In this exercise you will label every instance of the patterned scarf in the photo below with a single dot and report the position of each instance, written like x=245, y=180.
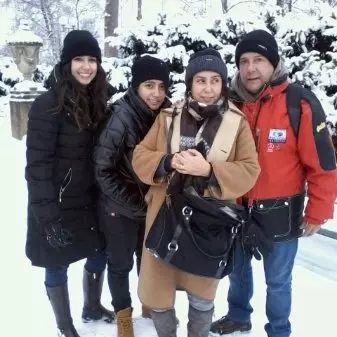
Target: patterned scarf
x=199, y=125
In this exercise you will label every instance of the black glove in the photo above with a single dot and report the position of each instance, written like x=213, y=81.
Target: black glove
x=57, y=236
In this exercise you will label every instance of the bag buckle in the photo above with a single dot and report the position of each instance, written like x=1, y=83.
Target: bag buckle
x=173, y=246
x=187, y=213
x=222, y=264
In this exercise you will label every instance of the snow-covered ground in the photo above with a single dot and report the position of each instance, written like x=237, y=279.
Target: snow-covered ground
x=25, y=310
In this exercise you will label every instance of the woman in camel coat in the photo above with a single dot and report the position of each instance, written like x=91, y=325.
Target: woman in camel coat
x=231, y=169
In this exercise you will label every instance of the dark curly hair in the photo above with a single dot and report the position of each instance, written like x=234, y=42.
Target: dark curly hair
x=85, y=104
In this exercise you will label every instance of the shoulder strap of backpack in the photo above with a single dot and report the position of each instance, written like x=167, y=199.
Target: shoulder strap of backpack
x=294, y=94
x=293, y=97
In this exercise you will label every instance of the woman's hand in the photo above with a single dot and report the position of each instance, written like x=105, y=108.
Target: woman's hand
x=191, y=162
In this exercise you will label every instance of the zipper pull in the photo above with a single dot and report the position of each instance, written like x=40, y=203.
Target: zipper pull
x=250, y=209
x=60, y=195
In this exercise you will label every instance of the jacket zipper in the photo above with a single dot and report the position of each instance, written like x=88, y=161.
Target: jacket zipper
x=66, y=181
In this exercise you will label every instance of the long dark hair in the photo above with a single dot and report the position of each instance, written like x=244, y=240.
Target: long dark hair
x=85, y=104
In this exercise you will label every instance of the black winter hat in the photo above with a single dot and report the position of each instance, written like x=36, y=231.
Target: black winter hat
x=208, y=59
x=261, y=42
x=79, y=43
x=149, y=68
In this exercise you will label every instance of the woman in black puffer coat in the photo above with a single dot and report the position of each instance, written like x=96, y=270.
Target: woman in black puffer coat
x=62, y=221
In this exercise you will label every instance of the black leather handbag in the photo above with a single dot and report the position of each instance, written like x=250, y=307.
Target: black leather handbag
x=196, y=234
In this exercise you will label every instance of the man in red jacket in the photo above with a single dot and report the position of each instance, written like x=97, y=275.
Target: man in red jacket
x=290, y=164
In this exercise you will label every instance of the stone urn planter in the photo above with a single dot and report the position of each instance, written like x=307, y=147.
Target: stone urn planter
x=25, y=46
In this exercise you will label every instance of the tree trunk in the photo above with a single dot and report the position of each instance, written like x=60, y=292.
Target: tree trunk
x=110, y=24
x=290, y=5
x=51, y=31
x=224, y=4
x=139, y=9
x=280, y=3
x=77, y=14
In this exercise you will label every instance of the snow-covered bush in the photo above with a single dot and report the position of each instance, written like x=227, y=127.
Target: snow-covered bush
x=307, y=45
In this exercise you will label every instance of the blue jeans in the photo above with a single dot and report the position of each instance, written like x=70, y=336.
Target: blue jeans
x=278, y=274
x=58, y=276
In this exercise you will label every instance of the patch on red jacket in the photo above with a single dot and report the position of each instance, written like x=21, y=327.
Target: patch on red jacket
x=277, y=136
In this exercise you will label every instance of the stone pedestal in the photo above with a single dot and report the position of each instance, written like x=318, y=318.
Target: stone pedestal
x=21, y=98
x=25, y=46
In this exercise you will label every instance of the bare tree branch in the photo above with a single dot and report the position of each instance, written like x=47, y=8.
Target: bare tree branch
x=243, y=2
x=77, y=14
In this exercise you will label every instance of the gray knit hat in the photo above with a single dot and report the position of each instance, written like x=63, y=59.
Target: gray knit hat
x=206, y=60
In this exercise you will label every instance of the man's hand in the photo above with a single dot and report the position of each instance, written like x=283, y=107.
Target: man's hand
x=191, y=162
x=309, y=229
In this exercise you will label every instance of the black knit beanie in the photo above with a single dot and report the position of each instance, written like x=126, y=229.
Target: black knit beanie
x=206, y=60
x=80, y=43
x=149, y=68
x=261, y=42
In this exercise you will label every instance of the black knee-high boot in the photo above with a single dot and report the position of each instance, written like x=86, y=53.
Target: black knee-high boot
x=92, y=291
x=59, y=299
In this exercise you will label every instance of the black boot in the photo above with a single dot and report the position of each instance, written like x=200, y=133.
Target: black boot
x=165, y=323
x=199, y=322
x=225, y=326
x=59, y=299
x=92, y=291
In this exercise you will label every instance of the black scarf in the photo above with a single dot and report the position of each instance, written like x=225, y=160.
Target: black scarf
x=202, y=122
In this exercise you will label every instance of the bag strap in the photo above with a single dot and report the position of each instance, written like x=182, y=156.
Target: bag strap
x=173, y=245
x=170, y=131
x=293, y=98
x=226, y=135
x=187, y=213
x=294, y=94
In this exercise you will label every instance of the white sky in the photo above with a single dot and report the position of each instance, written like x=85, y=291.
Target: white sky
x=7, y=16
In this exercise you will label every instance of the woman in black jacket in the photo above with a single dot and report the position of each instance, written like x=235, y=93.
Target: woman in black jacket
x=122, y=204
x=62, y=221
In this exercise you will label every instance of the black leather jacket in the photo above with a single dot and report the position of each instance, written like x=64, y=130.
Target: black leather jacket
x=121, y=192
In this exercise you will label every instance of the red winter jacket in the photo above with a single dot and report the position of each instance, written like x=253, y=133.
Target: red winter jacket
x=287, y=162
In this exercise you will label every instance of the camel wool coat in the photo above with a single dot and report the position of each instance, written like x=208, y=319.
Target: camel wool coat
x=235, y=175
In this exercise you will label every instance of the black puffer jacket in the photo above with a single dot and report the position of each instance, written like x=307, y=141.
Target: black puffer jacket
x=60, y=182
x=121, y=192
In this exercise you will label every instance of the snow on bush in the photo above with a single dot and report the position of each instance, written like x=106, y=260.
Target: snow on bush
x=307, y=45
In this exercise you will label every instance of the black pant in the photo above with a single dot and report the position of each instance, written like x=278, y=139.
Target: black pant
x=124, y=237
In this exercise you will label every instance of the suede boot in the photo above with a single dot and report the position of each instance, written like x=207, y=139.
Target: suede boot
x=124, y=323
x=165, y=323
x=146, y=312
x=199, y=322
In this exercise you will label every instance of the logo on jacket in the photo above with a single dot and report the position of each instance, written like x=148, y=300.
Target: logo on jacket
x=277, y=136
